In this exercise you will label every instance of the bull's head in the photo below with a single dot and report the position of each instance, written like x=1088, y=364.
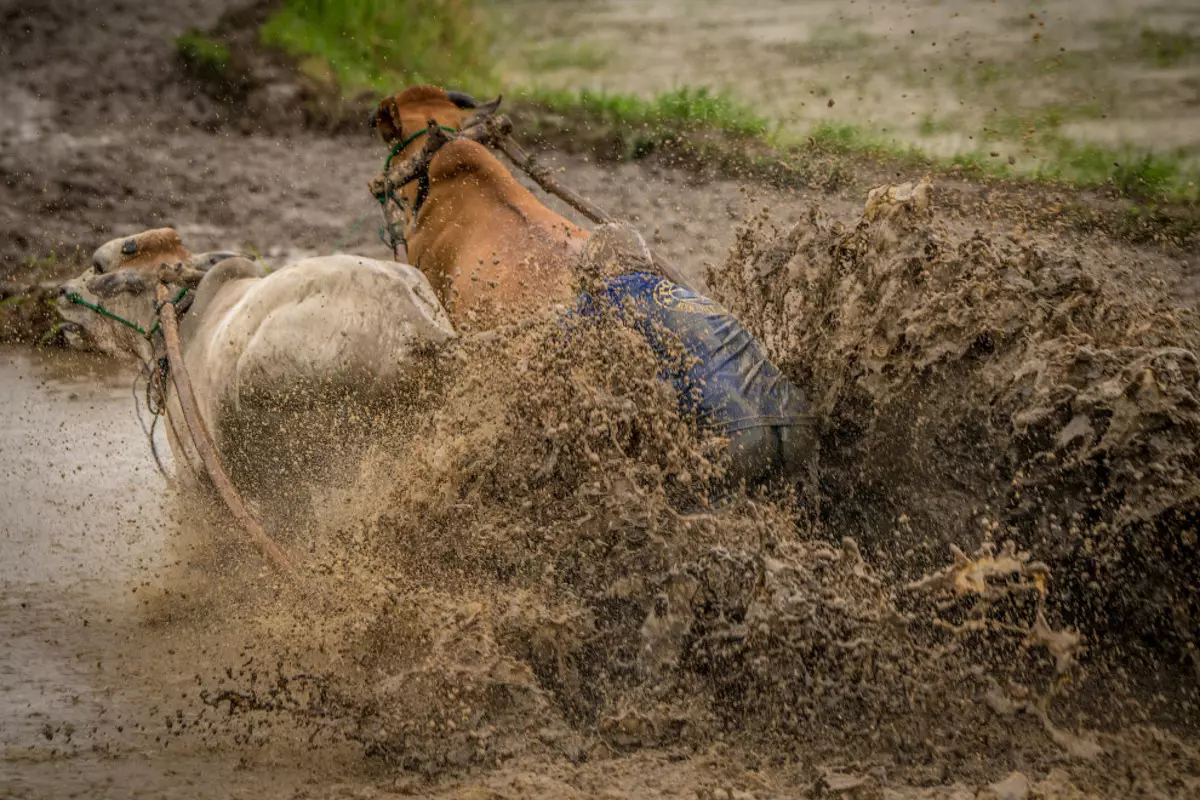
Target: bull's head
x=121, y=280
x=403, y=115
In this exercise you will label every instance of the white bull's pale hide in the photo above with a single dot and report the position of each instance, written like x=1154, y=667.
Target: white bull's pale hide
x=342, y=322
x=346, y=326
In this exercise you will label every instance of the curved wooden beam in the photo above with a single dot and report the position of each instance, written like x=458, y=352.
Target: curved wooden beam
x=205, y=446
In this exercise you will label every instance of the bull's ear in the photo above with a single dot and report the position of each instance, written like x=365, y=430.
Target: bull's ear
x=387, y=120
x=482, y=112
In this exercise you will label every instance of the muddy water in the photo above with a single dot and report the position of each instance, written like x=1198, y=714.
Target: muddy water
x=76, y=487
x=86, y=670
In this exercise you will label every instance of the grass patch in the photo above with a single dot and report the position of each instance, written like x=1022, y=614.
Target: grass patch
x=379, y=45
x=203, y=51
x=213, y=64
x=839, y=137
x=41, y=263
x=686, y=108
x=1166, y=48
x=1162, y=48
x=1140, y=174
x=640, y=126
x=846, y=139
x=1137, y=173
x=1028, y=128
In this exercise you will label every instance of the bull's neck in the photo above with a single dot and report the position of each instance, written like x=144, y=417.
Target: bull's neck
x=430, y=205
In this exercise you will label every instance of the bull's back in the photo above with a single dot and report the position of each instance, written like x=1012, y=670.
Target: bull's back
x=335, y=321
x=486, y=242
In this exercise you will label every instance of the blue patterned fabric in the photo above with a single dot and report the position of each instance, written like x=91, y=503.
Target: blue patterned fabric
x=727, y=383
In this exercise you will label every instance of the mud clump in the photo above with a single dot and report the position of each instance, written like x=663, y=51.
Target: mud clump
x=987, y=385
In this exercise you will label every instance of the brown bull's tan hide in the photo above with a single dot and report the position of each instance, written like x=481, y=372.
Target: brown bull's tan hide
x=490, y=249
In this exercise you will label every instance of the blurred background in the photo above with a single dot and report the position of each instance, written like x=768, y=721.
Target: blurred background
x=1068, y=89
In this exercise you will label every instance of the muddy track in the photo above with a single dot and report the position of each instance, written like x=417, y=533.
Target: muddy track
x=103, y=133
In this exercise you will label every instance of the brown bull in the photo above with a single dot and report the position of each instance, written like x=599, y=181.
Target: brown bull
x=490, y=249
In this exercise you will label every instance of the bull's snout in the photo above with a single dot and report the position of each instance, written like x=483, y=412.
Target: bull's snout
x=69, y=325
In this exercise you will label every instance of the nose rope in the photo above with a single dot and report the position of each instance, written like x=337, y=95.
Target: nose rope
x=409, y=140
x=76, y=299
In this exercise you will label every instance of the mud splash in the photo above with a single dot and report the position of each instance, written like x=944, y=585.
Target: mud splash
x=530, y=579
x=539, y=570
x=979, y=384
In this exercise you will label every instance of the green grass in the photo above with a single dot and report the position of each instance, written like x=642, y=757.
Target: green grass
x=34, y=263
x=650, y=121
x=213, y=64
x=686, y=108
x=381, y=45
x=1136, y=172
x=199, y=49
x=847, y=139
x=1167, y=48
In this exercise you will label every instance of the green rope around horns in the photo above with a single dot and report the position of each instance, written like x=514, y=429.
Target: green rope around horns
x=78, y=300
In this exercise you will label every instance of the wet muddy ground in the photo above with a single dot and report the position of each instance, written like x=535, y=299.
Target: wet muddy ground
x=85, y=526
x=122, y=603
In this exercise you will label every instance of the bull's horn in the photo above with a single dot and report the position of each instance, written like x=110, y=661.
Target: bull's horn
x=462, y=99
x=483, y=112
x=205, y=261
x=123, y=281
x=490, y=108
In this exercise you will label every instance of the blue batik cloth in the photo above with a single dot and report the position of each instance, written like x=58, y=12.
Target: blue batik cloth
x=728, y=383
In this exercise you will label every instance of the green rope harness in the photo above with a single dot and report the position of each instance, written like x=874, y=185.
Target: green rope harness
x=387, y=234
x=350, y=232
x=75, y=298
x=409, y=140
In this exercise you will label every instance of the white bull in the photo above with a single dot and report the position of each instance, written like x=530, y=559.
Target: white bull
x=342, y=329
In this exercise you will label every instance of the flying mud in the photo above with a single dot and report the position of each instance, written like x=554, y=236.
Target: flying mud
x=532, y=563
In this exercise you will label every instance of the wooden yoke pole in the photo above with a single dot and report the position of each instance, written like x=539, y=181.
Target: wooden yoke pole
x=542, y=177
x=204, y=443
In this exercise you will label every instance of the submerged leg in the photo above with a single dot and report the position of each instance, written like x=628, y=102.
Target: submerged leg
x=766, y=454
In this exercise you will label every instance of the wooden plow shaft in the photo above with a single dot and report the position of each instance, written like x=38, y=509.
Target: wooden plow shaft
x=205, y=446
